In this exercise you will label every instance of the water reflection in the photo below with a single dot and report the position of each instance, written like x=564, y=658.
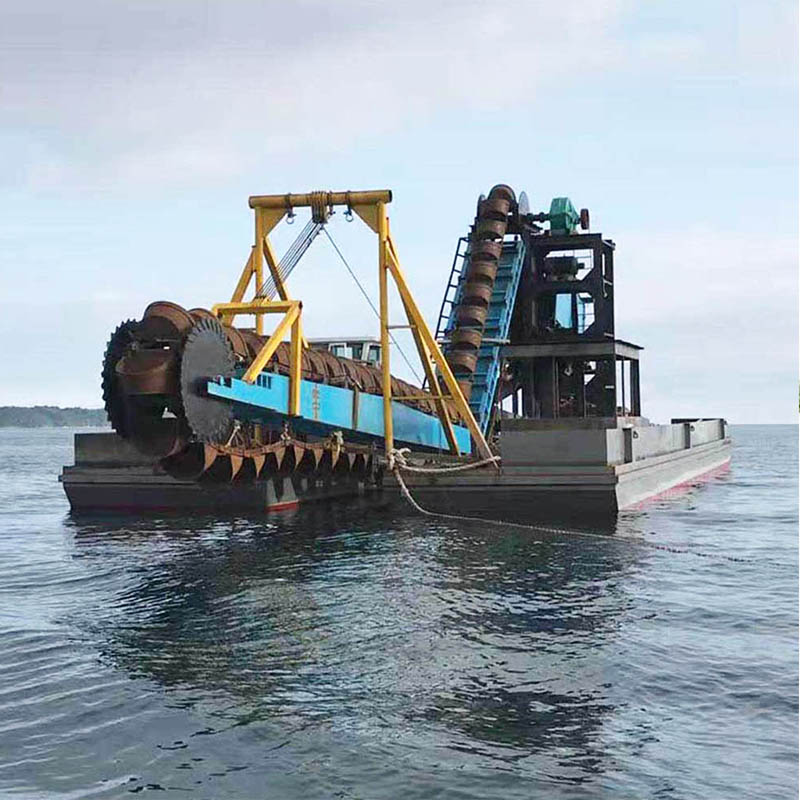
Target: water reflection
x=492, y=639
x=347, y=652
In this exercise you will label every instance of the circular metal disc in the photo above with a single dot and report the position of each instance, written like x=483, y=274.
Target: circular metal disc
x=206, y=354
x=523, y=204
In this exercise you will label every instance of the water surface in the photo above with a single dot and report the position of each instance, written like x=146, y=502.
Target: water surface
x=344, y=652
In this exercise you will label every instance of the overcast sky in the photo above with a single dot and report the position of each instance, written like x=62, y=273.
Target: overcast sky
x=132, y=134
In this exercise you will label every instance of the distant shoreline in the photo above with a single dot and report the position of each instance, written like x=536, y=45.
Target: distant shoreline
x=52, y=417
x=79, y=417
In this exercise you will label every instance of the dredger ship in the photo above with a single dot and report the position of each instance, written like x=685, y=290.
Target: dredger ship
x=530, y=406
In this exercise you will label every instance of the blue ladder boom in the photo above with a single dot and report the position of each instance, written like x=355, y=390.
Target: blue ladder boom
x=497, y=326
x=325, y=408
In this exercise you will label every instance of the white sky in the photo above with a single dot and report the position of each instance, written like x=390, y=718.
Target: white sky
x=133, y=132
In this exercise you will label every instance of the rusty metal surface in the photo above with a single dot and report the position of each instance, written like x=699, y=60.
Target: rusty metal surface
x=148, y=372
x=159, y=437
x=227, y=463
x=164, y=321
x=486, y=247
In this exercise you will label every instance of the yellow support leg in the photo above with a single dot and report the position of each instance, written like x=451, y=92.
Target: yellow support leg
x=295, y=367
x=258, y=263
x=279, y=334
x=427, y=365
x=386, y=375
x=439, y=400
x=272, y=264
x=416, y=318
x=241, y=286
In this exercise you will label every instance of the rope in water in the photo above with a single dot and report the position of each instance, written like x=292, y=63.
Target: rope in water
x=397, y=463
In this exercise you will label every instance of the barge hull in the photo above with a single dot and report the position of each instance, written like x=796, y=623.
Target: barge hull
x=109, y=475
x=598, y=467
x=548, y=474
x=566, y=494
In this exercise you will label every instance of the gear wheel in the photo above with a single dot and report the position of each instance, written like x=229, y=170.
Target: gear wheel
x=114, y=403
x=207, y=353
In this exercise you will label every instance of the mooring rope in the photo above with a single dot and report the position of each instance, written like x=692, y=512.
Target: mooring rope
x=398, y=457
x=397, y=462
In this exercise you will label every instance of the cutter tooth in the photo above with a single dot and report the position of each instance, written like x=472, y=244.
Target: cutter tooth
x=272, y=460
x=210, y=454
x=236, y=464
x=258, y=462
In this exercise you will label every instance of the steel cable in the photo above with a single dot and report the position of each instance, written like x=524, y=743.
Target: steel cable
x=291, y=258
x=396, y=463
x=371, y=304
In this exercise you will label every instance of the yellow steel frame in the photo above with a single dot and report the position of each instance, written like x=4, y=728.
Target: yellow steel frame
x=290, y=323
x=370, y=206
x=254, y=268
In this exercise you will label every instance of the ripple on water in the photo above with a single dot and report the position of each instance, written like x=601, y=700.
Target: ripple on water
x=339, y=652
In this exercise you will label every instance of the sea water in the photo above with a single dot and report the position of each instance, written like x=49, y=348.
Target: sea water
x=348, y=652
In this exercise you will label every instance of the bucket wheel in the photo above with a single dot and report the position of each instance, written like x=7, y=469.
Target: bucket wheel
x=113, y=398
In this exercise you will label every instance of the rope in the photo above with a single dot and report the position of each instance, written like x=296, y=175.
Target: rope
x=398, y=458
x=397, y=461
x=371, y=304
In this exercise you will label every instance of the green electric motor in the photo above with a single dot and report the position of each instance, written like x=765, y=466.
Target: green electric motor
x=563, y=218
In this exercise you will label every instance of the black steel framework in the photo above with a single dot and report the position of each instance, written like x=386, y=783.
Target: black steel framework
x=563, y=357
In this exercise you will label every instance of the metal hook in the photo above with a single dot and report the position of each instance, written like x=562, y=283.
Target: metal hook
x=348, y=215
x=289, y=210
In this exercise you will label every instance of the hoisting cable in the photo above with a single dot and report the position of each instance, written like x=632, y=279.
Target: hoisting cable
x=371, y=304
x=397, y=462
x=291, y=258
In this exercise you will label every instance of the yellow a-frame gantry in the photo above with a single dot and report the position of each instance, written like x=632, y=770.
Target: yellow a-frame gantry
x=370, y=206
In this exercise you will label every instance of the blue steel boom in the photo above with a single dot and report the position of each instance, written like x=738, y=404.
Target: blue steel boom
x=324, y=408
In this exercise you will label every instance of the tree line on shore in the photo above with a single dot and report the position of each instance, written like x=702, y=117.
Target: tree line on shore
x=51, y=416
